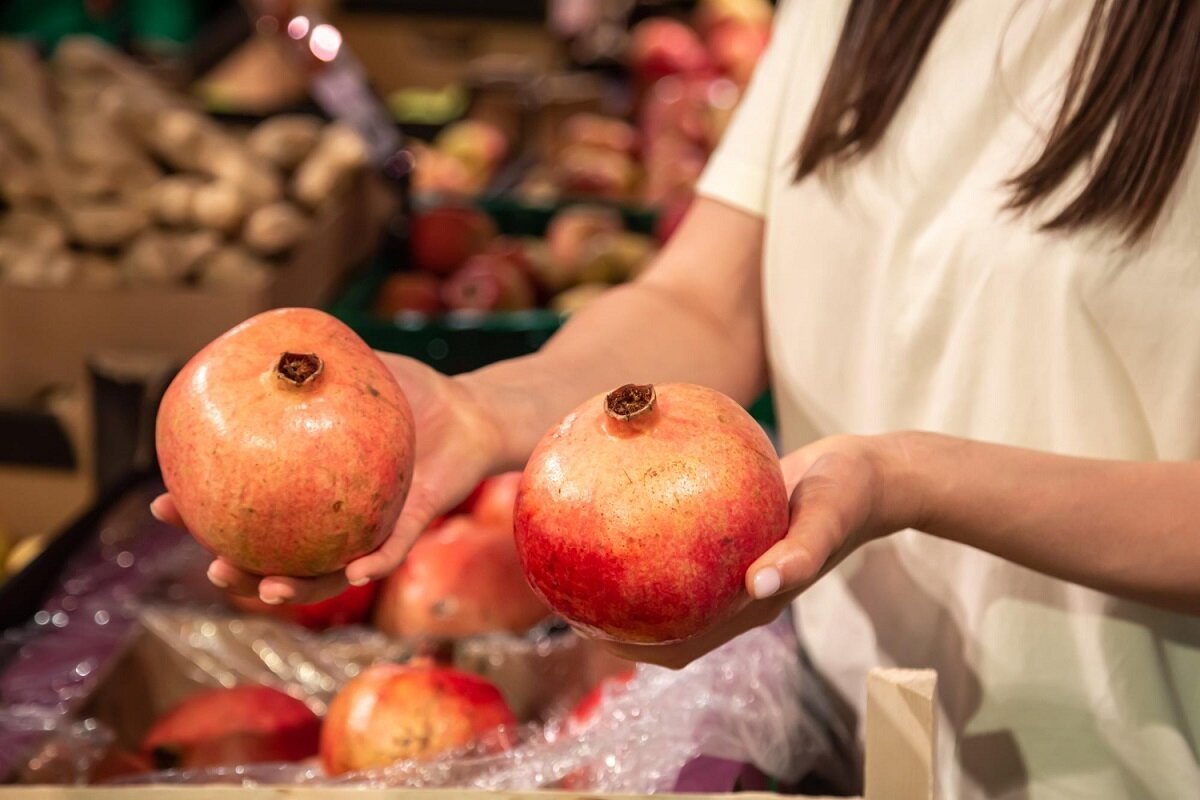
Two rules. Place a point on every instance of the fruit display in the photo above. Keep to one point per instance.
(464, 264)
(688, 80)
(461, 161)
(109, 179)
(639, 514)
(248, 428)
(242, 725)
(411, 711)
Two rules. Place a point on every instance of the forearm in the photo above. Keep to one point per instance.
(1123, 527)
(676, 324)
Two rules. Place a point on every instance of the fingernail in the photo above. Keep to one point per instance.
(273, 600)
(766, 583)
(154, 510)
(216, 580)
(359, 581)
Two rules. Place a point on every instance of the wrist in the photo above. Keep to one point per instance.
(508, 412)
(903, 495)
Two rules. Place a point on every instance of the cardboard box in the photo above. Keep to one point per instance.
(46, 335)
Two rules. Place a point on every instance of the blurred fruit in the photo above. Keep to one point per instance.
(595, 171)
(446, 236)
(512, 249)
(711, 13)
(488, 282)
(577, 297)
(438, 173)
(673, 165)
(594, 130)
(495, 499)
(736, 48)
(587, 711)
(662, 46)
(352, 606)
(428, 106)
(409, 292)
(479, 145)
(396, 712)
(615, 257)
(569, 232)
(242, 725)
(461, 579)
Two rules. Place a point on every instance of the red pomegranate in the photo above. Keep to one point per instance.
(242, 725)
(461, 579)
(496, 499)
(640, 512)
(587, 711)
(395, 712)
(350, 607)
(287, 445)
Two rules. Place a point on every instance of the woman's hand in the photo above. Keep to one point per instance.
(845, 491)
(458, 444)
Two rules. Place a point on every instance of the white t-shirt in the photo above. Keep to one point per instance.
(901, 295)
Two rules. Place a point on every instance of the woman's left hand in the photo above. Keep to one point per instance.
(844, 491)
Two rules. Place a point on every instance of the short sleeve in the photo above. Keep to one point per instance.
(738, 172)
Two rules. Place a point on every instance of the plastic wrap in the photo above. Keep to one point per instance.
(741, 703)
(133, 627)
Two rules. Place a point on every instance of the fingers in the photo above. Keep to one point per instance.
(418, 512)
(275, 590)
(226, 576)
(824, 507)
(163, 509)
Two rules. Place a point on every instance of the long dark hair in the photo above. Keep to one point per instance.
(1137, 74)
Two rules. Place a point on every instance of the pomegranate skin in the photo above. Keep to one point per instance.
(641, 530)
(351, 606)
(280, 478)
(394, 712)
(460, 579)
(242, 725)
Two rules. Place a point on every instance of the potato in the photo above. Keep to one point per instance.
(170, 200)
(218, 206)
(163, 258)
(95, 271)
(37, 266)
(329, 168)
(232, 267)
(285, 140)
(104, 225)
(274, 229)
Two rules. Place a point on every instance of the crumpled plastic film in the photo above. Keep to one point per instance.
(741, 702)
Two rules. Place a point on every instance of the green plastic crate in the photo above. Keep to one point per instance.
(456, 343)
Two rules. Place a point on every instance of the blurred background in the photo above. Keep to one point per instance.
(449, 177)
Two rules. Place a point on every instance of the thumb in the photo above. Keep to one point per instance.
(815, 536)
(420, 508)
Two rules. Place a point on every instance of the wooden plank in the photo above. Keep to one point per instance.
(328, 793)
(901, 735)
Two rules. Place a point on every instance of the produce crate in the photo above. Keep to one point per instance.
(900, 762)
(456, 343)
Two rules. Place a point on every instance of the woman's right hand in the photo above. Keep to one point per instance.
(459, 443)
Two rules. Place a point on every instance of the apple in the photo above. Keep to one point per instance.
(409, 292)
(584, 169)
(660, 46)
(479, 145)
(568, 233)
(736, 48)
(488, 282)
(711, 13)
(595, 130)
(444, 237)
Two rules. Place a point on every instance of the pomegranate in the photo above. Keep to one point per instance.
(462, 579)
(287, 445)
(350, 607)
(496, 498)
(639, 513)
(584, 715)
(443, 238)
(394, 712)
(409, 292)
(661, 47)
(242, 725)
